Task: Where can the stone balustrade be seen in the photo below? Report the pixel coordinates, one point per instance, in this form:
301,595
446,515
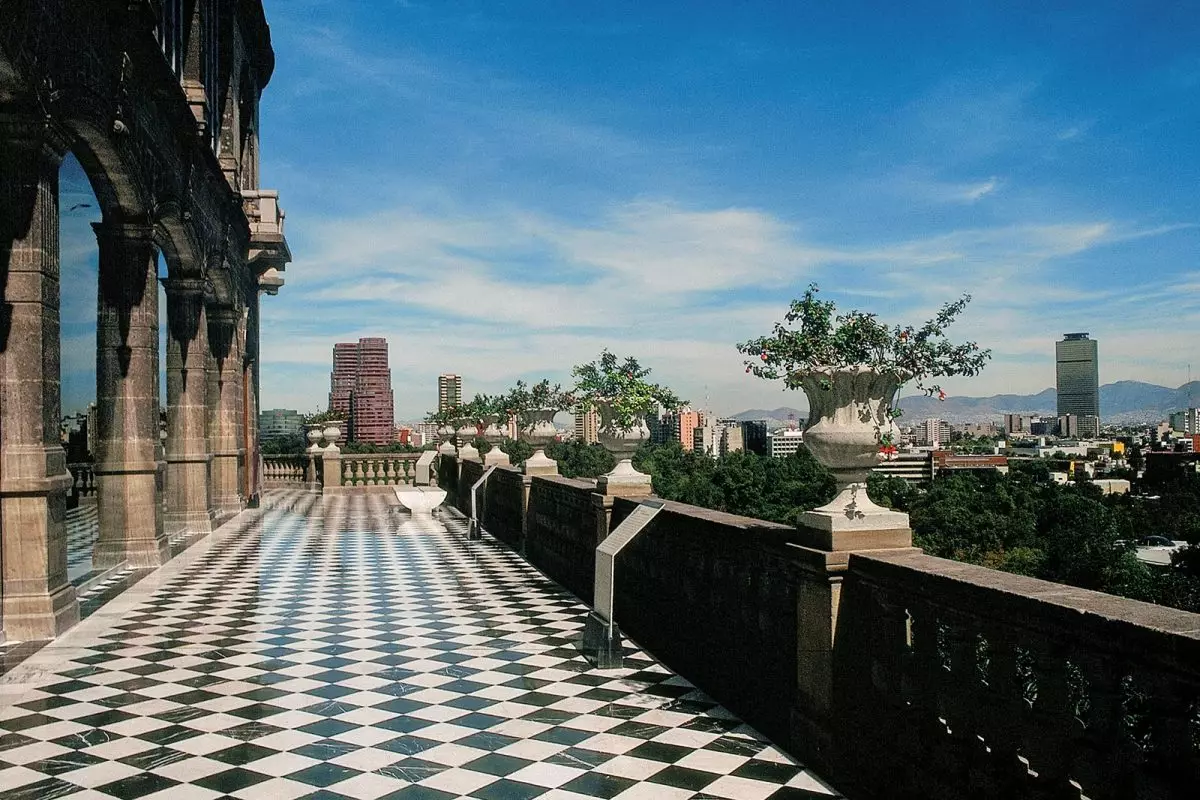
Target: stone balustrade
896,674
281,471
83,483
367,472
1011,686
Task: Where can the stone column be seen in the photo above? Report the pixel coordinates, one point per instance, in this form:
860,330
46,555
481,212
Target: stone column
127,399
225,408
253,457
189,499
38,601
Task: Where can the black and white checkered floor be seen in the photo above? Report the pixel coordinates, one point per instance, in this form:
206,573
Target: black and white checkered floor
338,649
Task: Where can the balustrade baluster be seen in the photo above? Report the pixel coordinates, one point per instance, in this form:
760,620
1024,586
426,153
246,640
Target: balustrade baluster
1052,735
360,472
348,473
391,473
1002,713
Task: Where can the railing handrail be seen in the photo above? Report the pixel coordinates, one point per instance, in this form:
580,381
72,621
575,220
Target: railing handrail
1135,631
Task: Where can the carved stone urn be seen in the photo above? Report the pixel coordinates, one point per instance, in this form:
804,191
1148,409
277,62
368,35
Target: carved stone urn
333,429
446,434
848,416
537,428
464,431
492,433
622,443
314,436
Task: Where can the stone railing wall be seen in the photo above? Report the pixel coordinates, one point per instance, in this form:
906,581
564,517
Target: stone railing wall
447,478
958,681
715,597
281,471
894,674
366,472
504,508
378,469
561,533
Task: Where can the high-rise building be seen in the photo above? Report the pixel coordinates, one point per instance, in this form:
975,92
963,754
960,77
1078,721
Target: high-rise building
932,432
1078,373
587,426
754,436
731,440
343,377
784,442
427,431
279,423
372,407
360,387
1186,421
687,421
449,391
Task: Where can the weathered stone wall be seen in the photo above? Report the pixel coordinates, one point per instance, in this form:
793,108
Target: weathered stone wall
560,537
714,596
953,680
503,513
447,472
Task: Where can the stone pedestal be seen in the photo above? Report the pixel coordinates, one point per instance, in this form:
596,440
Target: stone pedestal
625,481
496,458
225,409
853,522
539,464
38,601
189,498
127,401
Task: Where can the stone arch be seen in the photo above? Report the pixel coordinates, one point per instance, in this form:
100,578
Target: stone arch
112,180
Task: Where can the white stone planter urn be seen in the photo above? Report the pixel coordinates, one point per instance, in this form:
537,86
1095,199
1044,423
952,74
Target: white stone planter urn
314,436
465,431
848,416
622,443
446,434
537,428
333,429
492,433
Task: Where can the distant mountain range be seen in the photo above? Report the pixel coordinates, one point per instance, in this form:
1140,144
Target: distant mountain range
1123,402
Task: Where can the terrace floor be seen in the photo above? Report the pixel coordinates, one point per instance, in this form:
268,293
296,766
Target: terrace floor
338,649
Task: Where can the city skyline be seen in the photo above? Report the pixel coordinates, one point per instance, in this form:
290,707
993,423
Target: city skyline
663,187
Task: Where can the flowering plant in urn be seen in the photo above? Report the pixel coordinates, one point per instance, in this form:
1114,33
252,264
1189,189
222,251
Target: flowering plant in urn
851,366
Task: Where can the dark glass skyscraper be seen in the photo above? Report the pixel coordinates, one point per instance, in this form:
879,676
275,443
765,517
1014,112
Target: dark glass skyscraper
1078,374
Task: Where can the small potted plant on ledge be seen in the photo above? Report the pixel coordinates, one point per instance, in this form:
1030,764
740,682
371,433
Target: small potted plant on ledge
535,408
851,367
622,396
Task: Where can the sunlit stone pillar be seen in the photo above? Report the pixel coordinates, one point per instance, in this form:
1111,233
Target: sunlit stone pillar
127,399
188,462
38,601
225,408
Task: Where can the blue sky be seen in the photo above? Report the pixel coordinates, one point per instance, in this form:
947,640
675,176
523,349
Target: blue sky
504,188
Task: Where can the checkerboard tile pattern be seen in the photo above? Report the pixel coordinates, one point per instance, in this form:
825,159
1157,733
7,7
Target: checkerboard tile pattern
83,528
336,648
